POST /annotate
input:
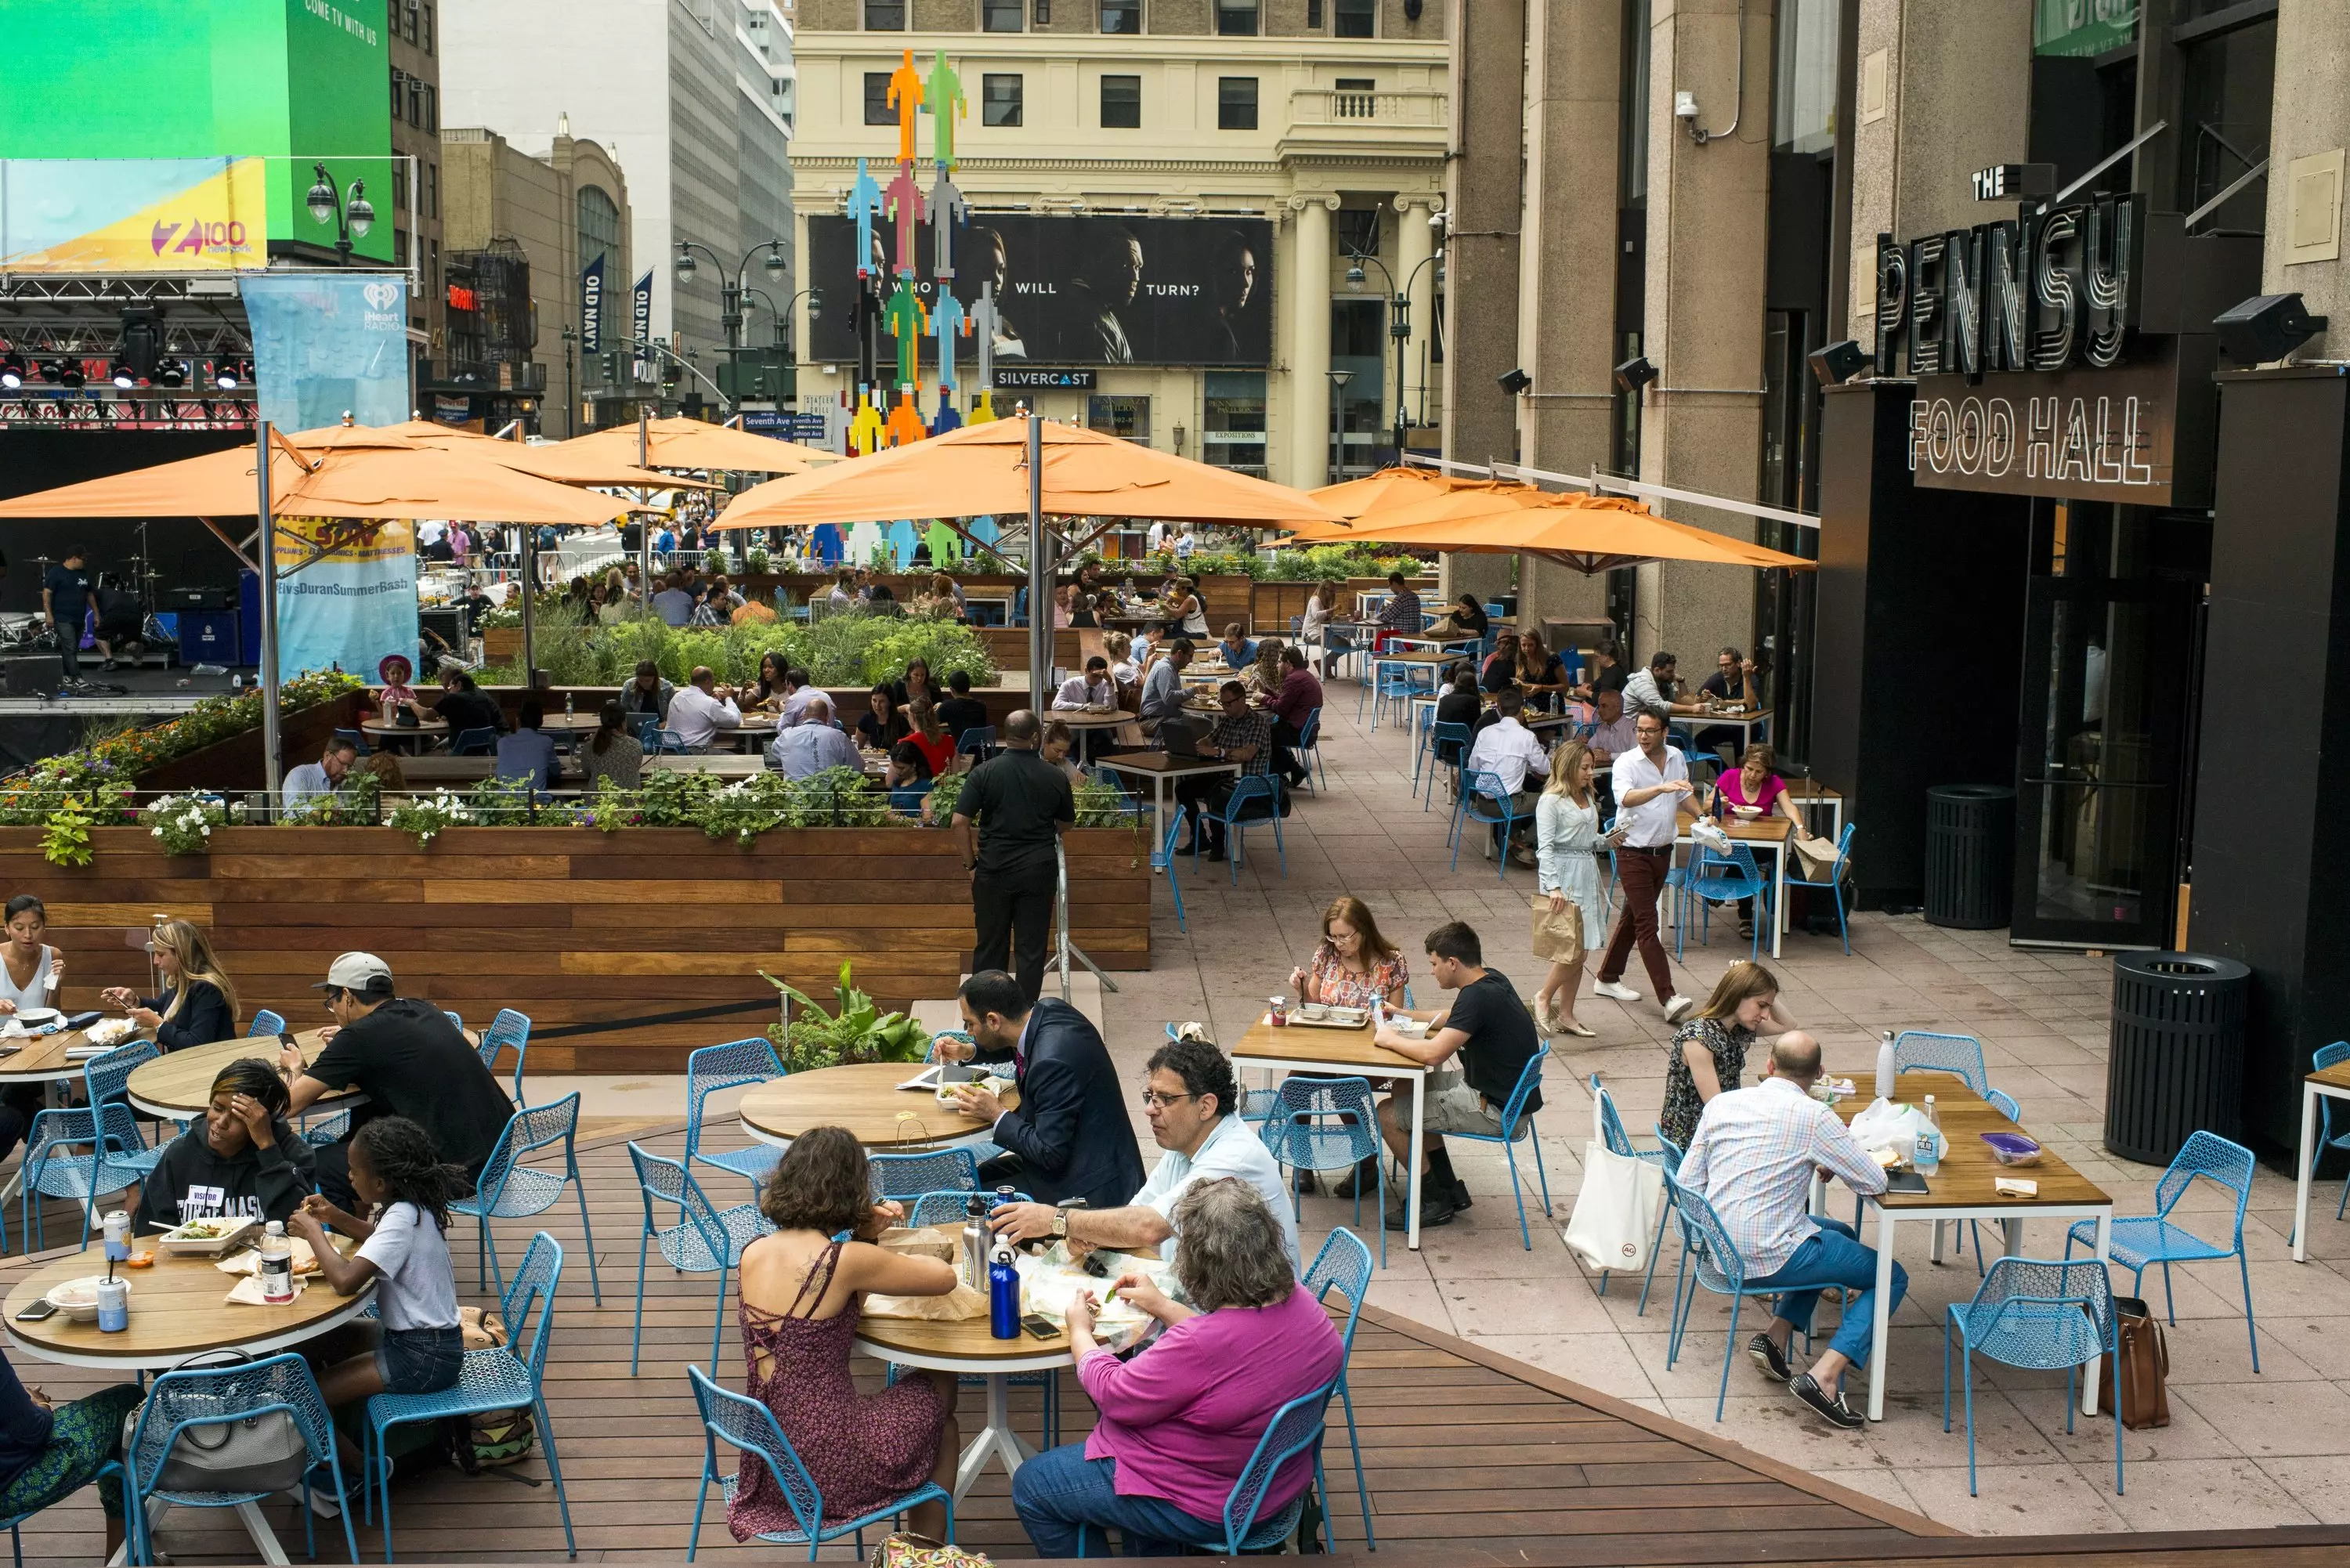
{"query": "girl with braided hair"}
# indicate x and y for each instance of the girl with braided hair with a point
(399, 1177)
(242, 1162)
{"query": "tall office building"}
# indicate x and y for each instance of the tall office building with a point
(694, 97)
(1197, 214)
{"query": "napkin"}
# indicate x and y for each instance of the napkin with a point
(248, 1292)
(248, 1262)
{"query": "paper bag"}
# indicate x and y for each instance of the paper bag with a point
(962, 1303)
(922, 1242)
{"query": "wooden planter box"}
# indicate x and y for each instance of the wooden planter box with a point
(235, 764)
(575, 928)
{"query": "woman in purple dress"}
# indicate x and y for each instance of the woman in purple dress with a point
(801, 1293)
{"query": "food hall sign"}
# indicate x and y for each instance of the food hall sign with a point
(2033, 376)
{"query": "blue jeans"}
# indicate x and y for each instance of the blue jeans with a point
(1836, 1257)
(1060, 1493)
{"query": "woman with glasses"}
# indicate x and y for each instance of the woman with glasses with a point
(198, 1005)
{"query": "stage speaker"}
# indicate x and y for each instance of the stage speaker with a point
(1838, 362)
(31, 674)
(2264, 327)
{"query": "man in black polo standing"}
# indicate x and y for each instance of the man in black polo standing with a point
(1021, 804)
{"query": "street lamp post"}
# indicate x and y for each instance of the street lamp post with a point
(570, 394)
(1339, 379)
(352, 215)
(730, 288)
(1398, 320)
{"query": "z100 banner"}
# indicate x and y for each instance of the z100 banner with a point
(133, 215)
(1076, 291)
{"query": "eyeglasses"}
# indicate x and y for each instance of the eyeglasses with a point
(1152, 1098)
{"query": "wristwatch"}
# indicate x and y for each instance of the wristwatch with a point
(1060, 1221)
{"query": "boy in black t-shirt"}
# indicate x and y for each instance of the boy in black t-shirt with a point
(1489, 1031)
(961, 711)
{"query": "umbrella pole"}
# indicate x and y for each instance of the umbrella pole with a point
(644, 521)
(529, 597)
(272, 745)
(1040, 578)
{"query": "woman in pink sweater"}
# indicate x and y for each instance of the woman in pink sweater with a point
(1180, 1420)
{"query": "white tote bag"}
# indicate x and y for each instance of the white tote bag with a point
(1615, 1217)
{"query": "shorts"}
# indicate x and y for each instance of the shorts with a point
(1454, 1108)
(419, 1360)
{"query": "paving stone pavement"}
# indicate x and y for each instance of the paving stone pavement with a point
(2240, 1451)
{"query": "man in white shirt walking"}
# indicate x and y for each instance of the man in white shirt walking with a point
(1652, 788)
(699, 712)
(1192, 1100)
(1508, 750)
(1751, 1161)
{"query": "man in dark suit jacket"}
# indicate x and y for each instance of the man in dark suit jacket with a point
(1070, 1137)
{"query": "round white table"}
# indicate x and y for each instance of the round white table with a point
(968, 1349)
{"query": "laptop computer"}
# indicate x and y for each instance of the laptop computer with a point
(1180, 737)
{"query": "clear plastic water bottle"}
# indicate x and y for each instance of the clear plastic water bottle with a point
(1928, 1155)
(277, 1265)
(568, 707)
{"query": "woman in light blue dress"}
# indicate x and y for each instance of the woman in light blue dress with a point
(1567, 922)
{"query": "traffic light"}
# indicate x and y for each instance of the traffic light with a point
(611, 369)
(670, 374)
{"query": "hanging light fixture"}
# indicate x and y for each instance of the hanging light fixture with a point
(13, 371)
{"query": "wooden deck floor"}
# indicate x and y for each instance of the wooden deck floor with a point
(1472, 1459)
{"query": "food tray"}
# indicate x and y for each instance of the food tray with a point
(2013, 1148)
(1297, 1023)
(232, 1234)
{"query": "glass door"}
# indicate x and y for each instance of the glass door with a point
(2101, 765)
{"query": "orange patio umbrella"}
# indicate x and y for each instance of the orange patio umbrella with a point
(1375, 493)
(981, 470)
(1465, 500)
(555, 462)
(1591, 534)
(341, 471)
(691, 443)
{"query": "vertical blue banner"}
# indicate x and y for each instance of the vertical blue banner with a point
(325, 343)
(591, 307)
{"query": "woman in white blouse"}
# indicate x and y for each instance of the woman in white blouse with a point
(1567, 923)
(30, 972)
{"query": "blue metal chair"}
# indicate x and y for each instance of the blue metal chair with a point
(2331, 1056)
(978, 742)
(1619, 1142)
(1165, 861)
(895, 1176)
(480, 742)
(1710, 875)
(509, 1028)
(1306, 1130)
(1295, 1428)
(1438, 736)
(79, 1154)
(1671, 1162)
(705, 1239)
(1513, 1113)
(2152, 1239)
(1498, 813)
(646, 727)
(733, 1066)
(356, 738)
(1960, 1056)
(266, 1023)
(1307, 748)
(209, 1397)
(510, 1190)
(749, 1426)
(1719, 1268)
(1255, 802)
(2031, 1314)
(496, 1378)
(1834, 884)
(1344, 1264)
(667, 742)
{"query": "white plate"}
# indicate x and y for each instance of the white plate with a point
(37, 1017)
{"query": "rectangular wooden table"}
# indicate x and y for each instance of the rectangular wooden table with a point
(1297, 1048)
(1768, 833)
(1961, 1189)
(1166, 770)
(2332, 1083)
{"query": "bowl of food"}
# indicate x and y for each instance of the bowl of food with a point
(208, 1237)
(1748, 812)
(77, 1299)
(37, 1017)
(2013, 1148)
(1352, 1017)
(1312, 1010)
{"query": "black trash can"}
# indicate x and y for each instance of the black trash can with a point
(1969, 856)
(2176, 1064)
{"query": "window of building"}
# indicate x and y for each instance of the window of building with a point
(877, 99)
(406, 22)
(1002, 16)
(433, 190)
(885, 15)
(1236, 103)
(1126, 418)
(1236, 18)
(2229, 84)
(599, 228)
(1233, 434)
(399, 248)
(1357, 19)
(399, 186)
(399, 92)
(432, 109)
(1000, 99)
(1314, 15)
(1121, 16)
(428, 29)
(1357, 231)
(433, 281)
(1121, 103)
(1803, 103)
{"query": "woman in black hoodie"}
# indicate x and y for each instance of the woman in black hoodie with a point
(244, 1162)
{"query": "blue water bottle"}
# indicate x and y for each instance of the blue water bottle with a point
(1002, 1293)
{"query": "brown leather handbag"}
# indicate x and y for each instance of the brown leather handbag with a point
(2145, 1361)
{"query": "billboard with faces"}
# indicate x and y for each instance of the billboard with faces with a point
(1071, 290)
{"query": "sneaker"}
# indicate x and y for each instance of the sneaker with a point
(1829, 1408)
(1615, 989)
(1435, 1208)
(1770, 1358)
(1675, 1006)
(320, 1482)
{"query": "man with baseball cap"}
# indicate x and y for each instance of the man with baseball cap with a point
(409, 1061)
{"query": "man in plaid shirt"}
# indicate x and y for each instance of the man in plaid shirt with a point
(1242, 735)
(1399, 616)
(1752, 1160)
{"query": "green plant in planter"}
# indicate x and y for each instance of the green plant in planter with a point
(185, 822)
(65, 836)
(755, 560)
(427, 817)
(856, 1030)
(355, 804)
(944, 792)
(671, 799)
(609, 809)
(746, 808)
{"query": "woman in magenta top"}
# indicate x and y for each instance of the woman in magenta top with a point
(1180, 1420)
(1752, 784)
